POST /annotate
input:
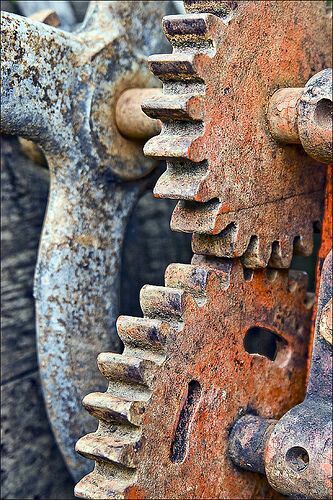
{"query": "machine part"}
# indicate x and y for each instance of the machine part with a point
(297, 450)
(304, 116)
(33, 152)
(46, 16)
(60, 89)
(64, 10)
(30, 148)
(131, 121)
(31, 464)
(241, 193)
(190, 366)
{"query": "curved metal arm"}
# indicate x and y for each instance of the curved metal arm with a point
(60, 89)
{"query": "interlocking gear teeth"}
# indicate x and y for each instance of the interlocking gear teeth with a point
(260, 245)
(233, 181)
(204, 310)
(174, 107)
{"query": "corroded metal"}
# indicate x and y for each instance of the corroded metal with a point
(241, 193)
(185, 375)
(131, 121)
(304, 116)
(297, 450)
(59, 89)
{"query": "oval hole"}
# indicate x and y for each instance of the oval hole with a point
(264, 342)
(180, 442)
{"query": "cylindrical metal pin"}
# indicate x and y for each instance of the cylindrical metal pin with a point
(131, 121)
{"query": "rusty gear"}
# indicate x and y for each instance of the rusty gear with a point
(184, 377)
(242, 193)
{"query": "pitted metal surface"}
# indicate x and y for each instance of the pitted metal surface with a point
(60, 89)
(242, 194)
(186, 373)
(304, 116)
(295, 452)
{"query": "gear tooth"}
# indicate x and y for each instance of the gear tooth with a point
(128, 369)
(282, 253)
(183, 180)
(142, 333)
(297, 280)
(228, 243)
(171, 146)
(107, 408)
(162, 302)
(175, 107)
(175, 67)
(309, 300)
(189, 28)
(257, 253)
(191, 278)
(219, 8)
(195, 217)
(303, 243)
(113, 447)
(97, 486)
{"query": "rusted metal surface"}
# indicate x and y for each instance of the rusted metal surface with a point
(59, 89)
(241, 193)
(247, 441)
(184, 377)
(297, 450)
(131, 121)
(304, 116)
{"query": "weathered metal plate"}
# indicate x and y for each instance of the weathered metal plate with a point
(184, 377)
(242, 193)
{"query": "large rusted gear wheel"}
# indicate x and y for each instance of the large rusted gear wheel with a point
(186, 373)
(242, 193)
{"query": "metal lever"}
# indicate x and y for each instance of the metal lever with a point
(60, 90)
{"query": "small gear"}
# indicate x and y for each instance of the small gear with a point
(241, 193)
(187, 371)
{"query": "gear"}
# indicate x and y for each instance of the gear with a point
(242, 194)
(189, 368)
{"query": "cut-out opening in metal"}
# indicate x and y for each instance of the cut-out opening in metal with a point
(264, 342)
(297, 458)
(180, 443)
(323, 113)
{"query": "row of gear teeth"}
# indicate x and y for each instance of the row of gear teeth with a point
(264, 234)
(131, 376)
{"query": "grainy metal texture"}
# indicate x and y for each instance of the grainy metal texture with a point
(131, 121)
(59, 89)
(247, 441)
(315, 117)
(185, 375)
(282, 115)
(299, 452)
(241, 193)
(304, 116)
(296, 452)
(31, 464)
